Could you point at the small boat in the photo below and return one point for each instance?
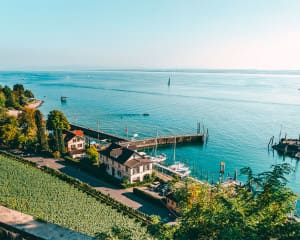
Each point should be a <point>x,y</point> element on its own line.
<point>169,82</point>
<point>297,155</point>
<point>63,98</point>
<point>158,158</point>
<point>180,168</point>
<point>146,114</point>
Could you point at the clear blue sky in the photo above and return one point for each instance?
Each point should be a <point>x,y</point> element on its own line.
<point>258,34</point>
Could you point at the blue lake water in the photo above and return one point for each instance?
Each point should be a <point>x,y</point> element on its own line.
<point>242,110</point>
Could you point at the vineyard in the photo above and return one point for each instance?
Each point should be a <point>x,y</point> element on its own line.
<point>29,190</point>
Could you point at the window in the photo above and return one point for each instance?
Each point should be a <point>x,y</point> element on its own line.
<point>79,145</point>
<point>119,173</point>
<point>127,169</point>
<point>74,140</point>
<point>73,147</point>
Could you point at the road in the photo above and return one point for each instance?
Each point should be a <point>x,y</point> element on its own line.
<point>125,196</point>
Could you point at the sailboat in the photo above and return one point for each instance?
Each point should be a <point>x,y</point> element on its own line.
<point>157,157</point>
<point>179,167</point>
<point>169,82</point>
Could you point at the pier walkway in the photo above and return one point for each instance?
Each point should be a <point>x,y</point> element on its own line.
<point>149,142</point>
<point>97,134</point>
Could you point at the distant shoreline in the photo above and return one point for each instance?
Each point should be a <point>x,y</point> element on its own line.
<point>35,104</point>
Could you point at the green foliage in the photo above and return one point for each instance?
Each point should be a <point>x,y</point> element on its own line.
<point>92,154</point>
<point>15,98</point>
<point>42,138</point>
<point>28,94</point>
<point>9,131</point>
<point>29,190</point>
<point>57,121</point>
<point>257,210</point>
<point>2,100</point>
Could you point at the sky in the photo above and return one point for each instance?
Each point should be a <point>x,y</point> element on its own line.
<point>227,34</point>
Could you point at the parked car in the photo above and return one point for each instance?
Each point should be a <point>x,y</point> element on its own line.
<point>153,186</point>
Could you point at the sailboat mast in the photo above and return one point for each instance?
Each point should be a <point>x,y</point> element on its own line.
<point>174,150</point>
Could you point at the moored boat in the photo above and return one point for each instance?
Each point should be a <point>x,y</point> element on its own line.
<point>180,168</point>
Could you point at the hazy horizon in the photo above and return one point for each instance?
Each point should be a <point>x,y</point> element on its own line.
<point>261,35</point>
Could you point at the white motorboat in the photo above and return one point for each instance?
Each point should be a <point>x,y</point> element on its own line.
<point>180,168</point>
<point>158,158</point>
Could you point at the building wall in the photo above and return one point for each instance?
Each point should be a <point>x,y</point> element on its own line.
<point>119,171</point>
<point>76,143</point>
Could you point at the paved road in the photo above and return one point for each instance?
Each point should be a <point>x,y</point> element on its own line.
<point>126,196</point>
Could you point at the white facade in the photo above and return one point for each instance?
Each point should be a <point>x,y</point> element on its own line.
<point>135,168</point>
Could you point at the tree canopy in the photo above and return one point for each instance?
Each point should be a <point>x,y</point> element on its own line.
<point>92,154</point>
<point>57,121</point>
<point>259,209</point>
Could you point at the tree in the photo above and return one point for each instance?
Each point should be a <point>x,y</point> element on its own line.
<point>8,131</point>
<point>93,154</point>
<point>57,121</point>
<point>19,89</point>
<point>42,137</point>
<point>257,210</point>
<point>2,100</point>
<point>18,92</point>
<point>28,94</point>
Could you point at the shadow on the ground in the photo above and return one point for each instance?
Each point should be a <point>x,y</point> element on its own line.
<point>84,176</point>
<point>148,207</point>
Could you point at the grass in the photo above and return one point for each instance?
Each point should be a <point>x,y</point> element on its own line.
<point>29,190</point>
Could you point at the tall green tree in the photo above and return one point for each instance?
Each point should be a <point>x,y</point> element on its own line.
<point>28,129</point>
<point>57,122</point>
<point>42,137</point>
<point>18,93</point>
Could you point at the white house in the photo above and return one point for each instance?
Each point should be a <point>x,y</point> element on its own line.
<point>74,143</point>
<point>122,162</point>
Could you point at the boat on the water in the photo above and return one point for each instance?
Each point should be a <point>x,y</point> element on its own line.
<point>159,158</point>
<point>297,155</point>
<point>169,81</point>
<point>181,168</point>
<point>63,98</point>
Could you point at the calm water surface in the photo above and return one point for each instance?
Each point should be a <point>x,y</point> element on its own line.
<point>242,111</point>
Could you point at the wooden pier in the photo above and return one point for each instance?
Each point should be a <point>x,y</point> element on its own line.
<point>165,140</point>
<point>289,147</point>
<point>98,134</point>
<point>149,142</point>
